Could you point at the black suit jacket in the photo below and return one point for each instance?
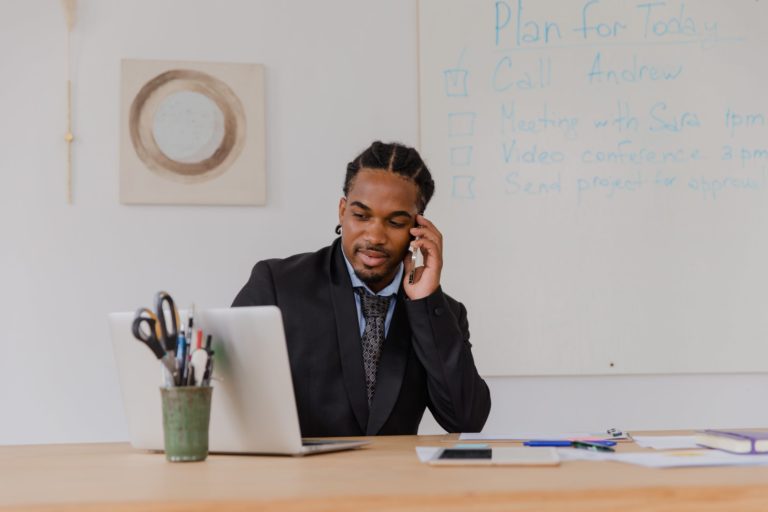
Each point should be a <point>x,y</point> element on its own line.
<point>426,359</point>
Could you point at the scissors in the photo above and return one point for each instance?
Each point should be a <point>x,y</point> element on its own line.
<point>167,338</point>
<point>145,328</point>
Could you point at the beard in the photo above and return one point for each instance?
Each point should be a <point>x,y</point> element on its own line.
<point>376,276</point>
<point>373,277</point>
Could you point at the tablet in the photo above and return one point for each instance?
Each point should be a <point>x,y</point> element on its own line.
<point>499,456</point>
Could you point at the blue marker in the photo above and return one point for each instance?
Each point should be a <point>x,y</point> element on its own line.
<point>181,358</point>
<point>548,442</point>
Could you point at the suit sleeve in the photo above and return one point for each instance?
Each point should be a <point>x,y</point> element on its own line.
<point>458,397</point>
<point>260,288</point>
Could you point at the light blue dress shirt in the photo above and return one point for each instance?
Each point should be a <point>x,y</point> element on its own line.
<point>390,289</point>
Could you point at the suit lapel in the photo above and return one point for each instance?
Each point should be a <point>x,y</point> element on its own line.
<point>389,377</point>
<point>348,335</point>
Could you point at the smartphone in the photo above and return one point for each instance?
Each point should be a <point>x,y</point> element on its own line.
<point>465,453</point>
<point>416,258</point>
<point>500,456</point>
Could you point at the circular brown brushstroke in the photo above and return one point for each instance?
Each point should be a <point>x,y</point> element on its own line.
<point>142,116</point>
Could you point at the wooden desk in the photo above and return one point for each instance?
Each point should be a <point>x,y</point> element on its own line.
<point>386,476</point>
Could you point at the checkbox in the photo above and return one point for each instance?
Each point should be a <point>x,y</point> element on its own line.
<point>456,82</point>
<point>461,124</point>
<point>461,155</point>
<point>464,187</point>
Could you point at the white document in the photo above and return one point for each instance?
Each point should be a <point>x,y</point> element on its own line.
<point>579,454</point>
<point>666,442</point>
<point>690,458</point>
<point>426,453</point>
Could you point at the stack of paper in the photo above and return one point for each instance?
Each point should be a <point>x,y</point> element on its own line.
<point>527,436</point>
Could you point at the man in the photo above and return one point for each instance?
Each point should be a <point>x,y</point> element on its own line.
<point>372,341</point>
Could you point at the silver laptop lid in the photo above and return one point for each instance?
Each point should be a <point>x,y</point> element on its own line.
<point>253,407</point>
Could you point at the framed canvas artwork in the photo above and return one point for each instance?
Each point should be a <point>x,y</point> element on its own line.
<point>192,133</point>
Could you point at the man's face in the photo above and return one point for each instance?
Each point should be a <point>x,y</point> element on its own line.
<point>376,218</point>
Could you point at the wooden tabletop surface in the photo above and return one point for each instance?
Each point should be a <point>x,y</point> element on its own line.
<point>387,475</point>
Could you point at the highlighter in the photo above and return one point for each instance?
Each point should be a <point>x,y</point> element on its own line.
<point>595,447</point>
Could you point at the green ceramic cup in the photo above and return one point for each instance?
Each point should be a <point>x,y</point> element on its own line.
<point>186,415</point>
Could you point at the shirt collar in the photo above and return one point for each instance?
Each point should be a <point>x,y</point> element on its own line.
<point>390,289</point>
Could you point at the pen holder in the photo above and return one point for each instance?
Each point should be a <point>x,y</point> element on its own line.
<point>186,415</point>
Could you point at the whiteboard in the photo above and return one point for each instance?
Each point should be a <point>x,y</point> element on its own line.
<point>601,175</point>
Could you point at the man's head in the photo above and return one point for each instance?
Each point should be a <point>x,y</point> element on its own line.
<point>386,186</point>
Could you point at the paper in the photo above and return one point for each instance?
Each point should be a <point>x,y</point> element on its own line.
<point>667,459</point>
<point>666,442</point>
<point>690,458</point>
<point>425,453</point>
<point>577,454</point>
<point>525,436</point>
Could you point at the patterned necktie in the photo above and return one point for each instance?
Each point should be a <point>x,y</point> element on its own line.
<point>375,312</point>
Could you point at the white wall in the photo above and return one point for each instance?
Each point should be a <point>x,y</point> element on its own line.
<point>340,73</point>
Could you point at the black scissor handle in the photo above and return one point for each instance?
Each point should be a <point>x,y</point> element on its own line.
<point>148,338</point>
<point>168,337</point>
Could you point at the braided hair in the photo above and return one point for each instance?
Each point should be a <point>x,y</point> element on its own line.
<point>396,158</point>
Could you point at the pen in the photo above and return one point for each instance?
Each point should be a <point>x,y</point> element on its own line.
<point>181,358</point>
<point>548,442</point>
<point>190,329</point>
<point>208,370</point>
<point>593,446</point>
<point>190,348</point>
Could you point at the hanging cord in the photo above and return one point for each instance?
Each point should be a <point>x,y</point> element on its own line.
<point>69,11</point>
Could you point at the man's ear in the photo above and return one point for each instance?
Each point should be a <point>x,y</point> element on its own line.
<point>342,208</point>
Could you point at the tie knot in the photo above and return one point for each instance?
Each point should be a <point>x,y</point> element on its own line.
<point>374,306</point>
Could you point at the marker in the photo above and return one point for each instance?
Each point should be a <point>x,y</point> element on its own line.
<point>548,442</point>
<point>181,358</point>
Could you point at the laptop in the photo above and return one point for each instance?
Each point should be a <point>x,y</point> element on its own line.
<point>253,409</point>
